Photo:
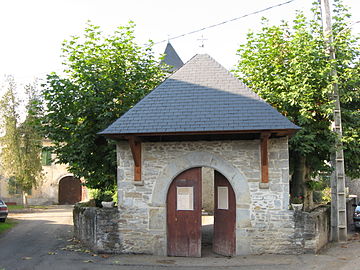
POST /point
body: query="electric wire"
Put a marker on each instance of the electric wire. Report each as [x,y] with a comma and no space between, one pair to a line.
[227,21]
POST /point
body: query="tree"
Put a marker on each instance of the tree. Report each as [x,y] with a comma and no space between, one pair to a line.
[21,143]
[104,76]
[289,67]
[347,65]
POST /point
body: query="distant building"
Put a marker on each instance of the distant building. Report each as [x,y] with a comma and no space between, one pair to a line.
[57,187]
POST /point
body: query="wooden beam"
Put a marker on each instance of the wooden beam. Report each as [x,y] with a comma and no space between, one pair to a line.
[264,144]
[135,146]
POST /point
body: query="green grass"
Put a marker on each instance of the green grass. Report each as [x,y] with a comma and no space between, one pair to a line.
[8,224]
[19,206]
[15,207]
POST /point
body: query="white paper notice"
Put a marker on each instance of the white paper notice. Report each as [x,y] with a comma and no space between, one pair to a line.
[223,198]
[185,198]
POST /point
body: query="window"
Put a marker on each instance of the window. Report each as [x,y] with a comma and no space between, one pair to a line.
[14,188]
[45,157]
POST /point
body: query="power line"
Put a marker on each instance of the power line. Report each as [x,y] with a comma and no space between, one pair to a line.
[227,21]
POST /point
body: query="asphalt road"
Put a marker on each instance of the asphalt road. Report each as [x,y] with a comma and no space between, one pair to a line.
[43,241]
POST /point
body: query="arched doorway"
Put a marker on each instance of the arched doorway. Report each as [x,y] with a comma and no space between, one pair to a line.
[184,213]
[69,190]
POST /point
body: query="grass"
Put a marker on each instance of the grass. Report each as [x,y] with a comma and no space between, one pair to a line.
[17,207]
[8,224]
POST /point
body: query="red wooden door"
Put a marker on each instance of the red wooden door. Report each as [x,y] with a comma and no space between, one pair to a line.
[224,237]
[69,190]
[184,214]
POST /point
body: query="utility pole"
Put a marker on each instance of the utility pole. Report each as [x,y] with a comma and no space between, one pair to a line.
[338,196]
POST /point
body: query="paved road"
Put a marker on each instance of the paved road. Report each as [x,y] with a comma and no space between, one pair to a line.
[43,241]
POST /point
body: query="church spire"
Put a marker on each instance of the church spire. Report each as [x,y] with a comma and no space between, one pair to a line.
[172,58]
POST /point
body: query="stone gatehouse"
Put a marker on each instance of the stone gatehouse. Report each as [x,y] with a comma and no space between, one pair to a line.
[203,117]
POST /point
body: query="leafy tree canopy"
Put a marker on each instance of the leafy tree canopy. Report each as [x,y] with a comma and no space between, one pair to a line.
[104,76]
[288,65]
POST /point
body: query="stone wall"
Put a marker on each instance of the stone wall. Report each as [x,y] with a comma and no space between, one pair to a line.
[264,223]
[98,228]
[313,228]
[262,209]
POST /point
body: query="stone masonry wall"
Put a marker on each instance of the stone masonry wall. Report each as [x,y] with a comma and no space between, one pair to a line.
[313,228]
[97,228]
[264,223]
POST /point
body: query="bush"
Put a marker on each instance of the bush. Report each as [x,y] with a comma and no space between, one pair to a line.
[115,197]
[102,196]
[326,195]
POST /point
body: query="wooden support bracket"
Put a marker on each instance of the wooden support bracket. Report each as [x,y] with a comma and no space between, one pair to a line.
[135,146]
[264,143]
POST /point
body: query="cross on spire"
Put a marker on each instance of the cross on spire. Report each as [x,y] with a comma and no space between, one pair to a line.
[202,39]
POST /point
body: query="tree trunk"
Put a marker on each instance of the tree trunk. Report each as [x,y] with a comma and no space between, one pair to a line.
[308,199]
[24,199]
[298,181]
[298,177]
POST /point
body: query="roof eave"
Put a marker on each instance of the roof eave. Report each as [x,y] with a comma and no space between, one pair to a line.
[275,132]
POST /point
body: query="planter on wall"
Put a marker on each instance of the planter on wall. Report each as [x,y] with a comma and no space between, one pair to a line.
[107,204]
[297,206]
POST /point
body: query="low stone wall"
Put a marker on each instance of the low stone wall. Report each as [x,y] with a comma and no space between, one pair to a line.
[97,228]
[100,230]
[313,228]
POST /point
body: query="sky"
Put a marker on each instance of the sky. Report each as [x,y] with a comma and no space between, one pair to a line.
[32,31]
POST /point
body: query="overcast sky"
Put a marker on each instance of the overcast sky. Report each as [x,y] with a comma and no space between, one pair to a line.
[32,30]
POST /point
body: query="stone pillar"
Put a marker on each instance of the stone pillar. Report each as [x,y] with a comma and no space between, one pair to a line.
[208,189]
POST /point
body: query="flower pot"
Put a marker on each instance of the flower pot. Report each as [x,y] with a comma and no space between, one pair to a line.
[107,204]
[297,206]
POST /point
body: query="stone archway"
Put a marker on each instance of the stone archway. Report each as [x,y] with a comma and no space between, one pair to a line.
[70,190]
[201,159]
[205,159]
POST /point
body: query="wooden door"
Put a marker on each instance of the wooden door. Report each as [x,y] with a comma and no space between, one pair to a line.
[224,237]
[69,190]
[184,214]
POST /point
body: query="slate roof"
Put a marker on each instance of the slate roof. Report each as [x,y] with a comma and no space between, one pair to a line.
[172,58]
[202,96]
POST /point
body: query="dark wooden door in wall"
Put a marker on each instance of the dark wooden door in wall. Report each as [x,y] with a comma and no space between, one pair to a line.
[184,214]
[224,237]
[69,190]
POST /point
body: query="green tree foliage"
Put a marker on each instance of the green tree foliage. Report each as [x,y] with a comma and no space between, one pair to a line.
[104,77]
[288,65]
[347,64]
[21,143]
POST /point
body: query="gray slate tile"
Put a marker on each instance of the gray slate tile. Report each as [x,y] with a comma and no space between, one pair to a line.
[202,96]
